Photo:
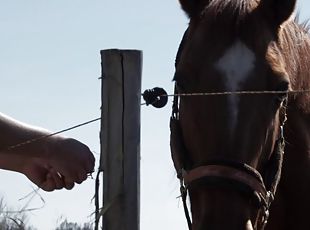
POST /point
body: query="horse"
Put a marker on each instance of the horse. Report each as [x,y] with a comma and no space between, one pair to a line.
[242,83]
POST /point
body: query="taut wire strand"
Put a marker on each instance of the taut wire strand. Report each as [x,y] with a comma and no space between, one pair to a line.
[238,93]
[50,135]
[226,93]
[169,95]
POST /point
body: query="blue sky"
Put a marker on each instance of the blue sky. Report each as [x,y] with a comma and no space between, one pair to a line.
[49,68]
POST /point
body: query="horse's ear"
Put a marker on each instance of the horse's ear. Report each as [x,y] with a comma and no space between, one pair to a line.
[193,7]
[278,10]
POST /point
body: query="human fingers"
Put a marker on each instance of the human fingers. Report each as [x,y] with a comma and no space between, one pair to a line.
[84,155]
[58,179]
[90,164]
[81,176]
[69,183]
[87,158]
[48,184]
[70,155]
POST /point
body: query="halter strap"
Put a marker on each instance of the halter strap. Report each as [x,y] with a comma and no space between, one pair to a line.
[227,172]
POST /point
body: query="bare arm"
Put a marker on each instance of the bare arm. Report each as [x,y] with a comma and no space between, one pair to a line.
[13,132]
[51,163]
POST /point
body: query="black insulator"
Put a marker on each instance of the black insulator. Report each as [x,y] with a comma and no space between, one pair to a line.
[156,97]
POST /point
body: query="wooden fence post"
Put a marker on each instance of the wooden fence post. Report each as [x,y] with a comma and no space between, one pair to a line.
[120,138]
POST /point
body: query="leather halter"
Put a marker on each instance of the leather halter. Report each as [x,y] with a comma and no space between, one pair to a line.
[262,189]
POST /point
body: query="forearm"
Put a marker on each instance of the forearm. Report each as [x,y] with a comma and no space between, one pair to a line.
[51,163]
[13,132]
[12,162]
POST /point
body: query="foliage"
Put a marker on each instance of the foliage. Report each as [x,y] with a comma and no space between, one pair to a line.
[17,220]
[65,225]
[10,220]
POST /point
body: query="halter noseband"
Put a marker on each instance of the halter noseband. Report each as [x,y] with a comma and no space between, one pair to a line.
[221,172]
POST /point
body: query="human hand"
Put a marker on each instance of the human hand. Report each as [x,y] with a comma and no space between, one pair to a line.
[70,159]
[54,161]
[66,162]
[42,174]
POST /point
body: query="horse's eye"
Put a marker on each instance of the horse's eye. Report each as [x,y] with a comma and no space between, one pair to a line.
[282,88]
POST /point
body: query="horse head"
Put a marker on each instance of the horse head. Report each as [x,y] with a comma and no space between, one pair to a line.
[228,138]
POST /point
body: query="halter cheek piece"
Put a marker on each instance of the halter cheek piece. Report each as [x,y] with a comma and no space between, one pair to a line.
[241,176]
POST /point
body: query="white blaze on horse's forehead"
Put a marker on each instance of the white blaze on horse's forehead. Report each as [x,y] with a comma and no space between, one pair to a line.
[236,64]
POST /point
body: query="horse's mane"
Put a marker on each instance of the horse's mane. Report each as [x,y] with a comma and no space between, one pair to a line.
[294,42]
